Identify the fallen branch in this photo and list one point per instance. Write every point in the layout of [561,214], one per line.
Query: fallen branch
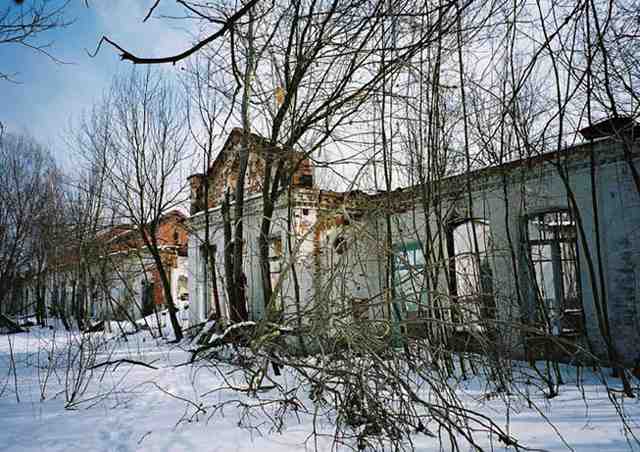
[11,325]
[117,362]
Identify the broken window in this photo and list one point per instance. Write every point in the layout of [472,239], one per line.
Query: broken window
[409,279]
[471,276]
[554,262]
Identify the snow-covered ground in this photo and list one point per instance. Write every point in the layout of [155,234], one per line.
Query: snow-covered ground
[130,407]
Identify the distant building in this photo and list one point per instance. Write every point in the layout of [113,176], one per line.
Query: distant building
[131,276]
[113,278]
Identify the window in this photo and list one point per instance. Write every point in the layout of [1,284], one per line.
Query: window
[554,262]
[409,279]
[208,254]
[93,301]
[183,288]
[340,245]
[147,290]
[275,261]
[275,248]
[471,275]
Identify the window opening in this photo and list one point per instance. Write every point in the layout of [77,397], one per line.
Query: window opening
[147,289]
[409,280]
[340,245]
[276,253]
[472,276]
[208,278]
[554,261]
[360,308]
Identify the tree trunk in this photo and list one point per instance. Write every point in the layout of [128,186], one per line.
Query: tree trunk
[152,246]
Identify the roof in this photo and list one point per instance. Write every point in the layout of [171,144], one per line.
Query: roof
[605,131]
[616,126]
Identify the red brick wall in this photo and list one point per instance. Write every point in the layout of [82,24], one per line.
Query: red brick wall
[224,171]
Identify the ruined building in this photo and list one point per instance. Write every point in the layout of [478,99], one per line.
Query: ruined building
[112,277]
[539,254]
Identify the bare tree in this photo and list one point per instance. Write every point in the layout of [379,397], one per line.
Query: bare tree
[439,92]
[205,110]
[216,15]
[141,151]
[27,178]
[24,24]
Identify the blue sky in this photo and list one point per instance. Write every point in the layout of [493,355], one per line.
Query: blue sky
[50,96]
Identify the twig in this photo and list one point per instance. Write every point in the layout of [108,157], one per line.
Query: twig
[117,362]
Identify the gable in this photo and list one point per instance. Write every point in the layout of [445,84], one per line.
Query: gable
[225,170]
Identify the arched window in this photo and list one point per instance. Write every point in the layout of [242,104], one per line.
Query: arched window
[553,253]
[471,275]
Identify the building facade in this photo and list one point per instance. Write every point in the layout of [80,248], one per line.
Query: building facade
[539,253]
[113,278]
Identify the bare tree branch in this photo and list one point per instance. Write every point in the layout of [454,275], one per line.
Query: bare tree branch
[125,55]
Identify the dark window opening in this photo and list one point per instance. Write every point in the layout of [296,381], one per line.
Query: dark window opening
[306,180]
[340,245]
[554,264]
[147,290]
[360,309]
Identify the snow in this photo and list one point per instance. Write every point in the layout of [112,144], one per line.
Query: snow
[235,326]
[130,407]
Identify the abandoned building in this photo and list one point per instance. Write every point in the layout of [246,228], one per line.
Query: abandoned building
[133,279]
[112,278]
[542,249]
